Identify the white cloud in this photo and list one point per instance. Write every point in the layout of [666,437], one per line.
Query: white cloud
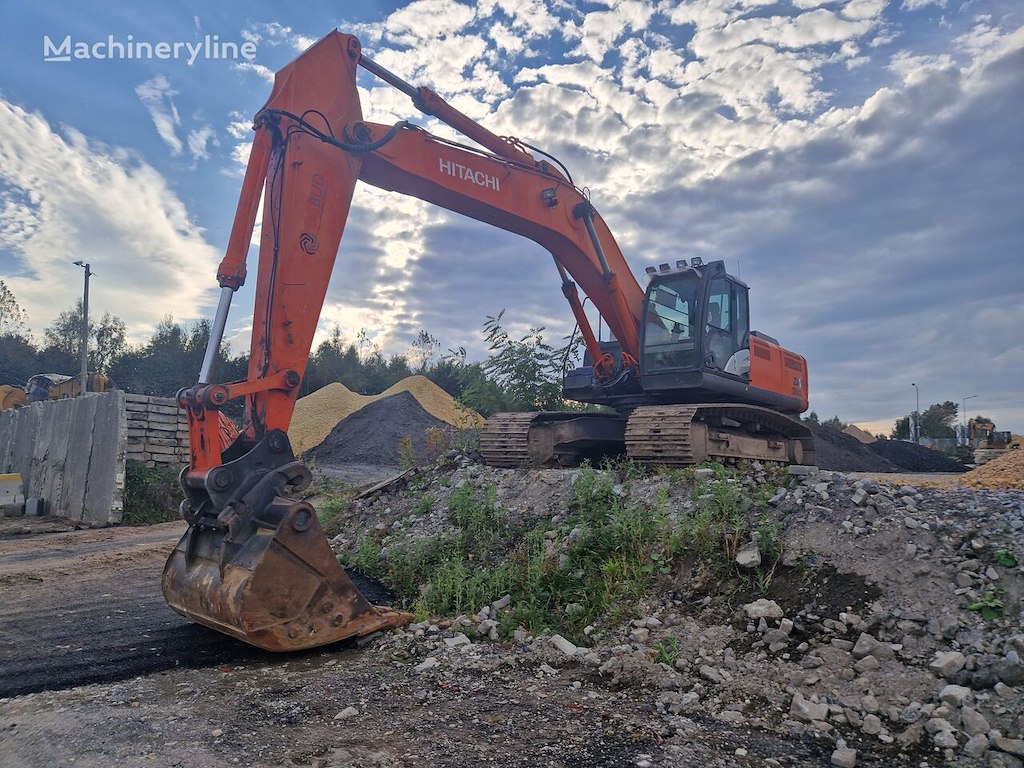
[258,69]
[916,5]
[65,197]
[157,96]
[200,140]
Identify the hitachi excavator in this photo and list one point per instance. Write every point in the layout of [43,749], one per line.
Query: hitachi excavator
[685,375]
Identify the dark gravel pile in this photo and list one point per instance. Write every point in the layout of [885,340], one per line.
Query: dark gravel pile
[911,457]
[374,434]
[838,452]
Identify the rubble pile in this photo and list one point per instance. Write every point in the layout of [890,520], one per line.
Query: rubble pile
[888,632]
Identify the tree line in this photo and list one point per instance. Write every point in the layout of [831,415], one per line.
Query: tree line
[520,373]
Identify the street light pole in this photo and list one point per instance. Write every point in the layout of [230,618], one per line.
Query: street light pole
[964,401]
[917,414]
[84,342]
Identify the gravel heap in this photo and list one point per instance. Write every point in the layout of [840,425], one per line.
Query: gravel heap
[316,414]
[1005,472]
[838,451]
[374,434]
[862,651]
[915,458]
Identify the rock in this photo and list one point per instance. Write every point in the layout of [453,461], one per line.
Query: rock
[807,711]
[976,746]
[346,713]
[640,635]
[749,556]
[563,645]
[867,645]
[457,641]
[1010,746]
[710,674]
[427,664]
[763,609]
[703,474]
[973,722]
[954,695]
[949,663]
[945,739]
[867,664]
[844,757]
[872,725]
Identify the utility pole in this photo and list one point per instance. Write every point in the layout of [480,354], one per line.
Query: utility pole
[84,343]
[964,401]
[917,414]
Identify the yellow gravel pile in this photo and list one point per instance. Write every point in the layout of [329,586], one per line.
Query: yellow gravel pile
[1006,472]
[318,413]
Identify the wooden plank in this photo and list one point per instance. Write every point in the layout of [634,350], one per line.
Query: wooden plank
[161,418]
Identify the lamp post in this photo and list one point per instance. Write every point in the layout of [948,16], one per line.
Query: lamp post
[84,342]
[917,414]
[964,401]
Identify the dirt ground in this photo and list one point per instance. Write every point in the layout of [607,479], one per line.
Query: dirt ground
[96,671]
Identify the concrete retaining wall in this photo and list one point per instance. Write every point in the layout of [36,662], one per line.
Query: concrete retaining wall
[71,453]
[157,431]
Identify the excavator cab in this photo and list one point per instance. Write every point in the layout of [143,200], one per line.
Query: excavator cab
[696,318]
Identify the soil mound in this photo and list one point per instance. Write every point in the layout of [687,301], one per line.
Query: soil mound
[839,452]
[1006,472]
[375,433]
[316,414]
[436,402]
[911,457]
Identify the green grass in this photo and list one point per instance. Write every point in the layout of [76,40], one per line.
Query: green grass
[151,494]
[592,567]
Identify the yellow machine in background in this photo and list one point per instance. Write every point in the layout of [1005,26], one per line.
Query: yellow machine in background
[51,386]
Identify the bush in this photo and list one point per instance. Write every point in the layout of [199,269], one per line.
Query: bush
[151,494]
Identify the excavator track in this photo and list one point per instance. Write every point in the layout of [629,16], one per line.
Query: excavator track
[549,438]
[680,435]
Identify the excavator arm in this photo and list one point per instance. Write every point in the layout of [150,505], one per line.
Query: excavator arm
[253,563]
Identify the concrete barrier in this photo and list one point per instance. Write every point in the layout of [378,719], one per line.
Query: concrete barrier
[70,453]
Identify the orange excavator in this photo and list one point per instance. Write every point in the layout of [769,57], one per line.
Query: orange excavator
[685,375]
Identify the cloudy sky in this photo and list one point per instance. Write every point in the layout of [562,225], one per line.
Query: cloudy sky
[858,162]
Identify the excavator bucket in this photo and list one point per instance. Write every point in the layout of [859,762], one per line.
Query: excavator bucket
[261,570]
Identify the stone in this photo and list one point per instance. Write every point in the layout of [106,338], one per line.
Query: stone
[749,556]
[945,739]
[844,757]
[563,645]
[954,695]
[872,725]
[457,641]
[346,713]
[640,635]
[703,474]
[807,711]
[867,645]
[867,664]
[976,746]
[973,722]
[427,664]
[1010,746]
[949,663]
[763,609]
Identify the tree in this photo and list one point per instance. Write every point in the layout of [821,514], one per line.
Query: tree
[424,350]
[107,338]
[939,420]
[835,423]
[527,370]
[812,418]
[12,317]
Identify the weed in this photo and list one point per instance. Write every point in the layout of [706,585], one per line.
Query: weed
[668,650]
[1006,558]
[717,526]
[425,504]
[151,494]
[768,536]
[406,453]
[989,606]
